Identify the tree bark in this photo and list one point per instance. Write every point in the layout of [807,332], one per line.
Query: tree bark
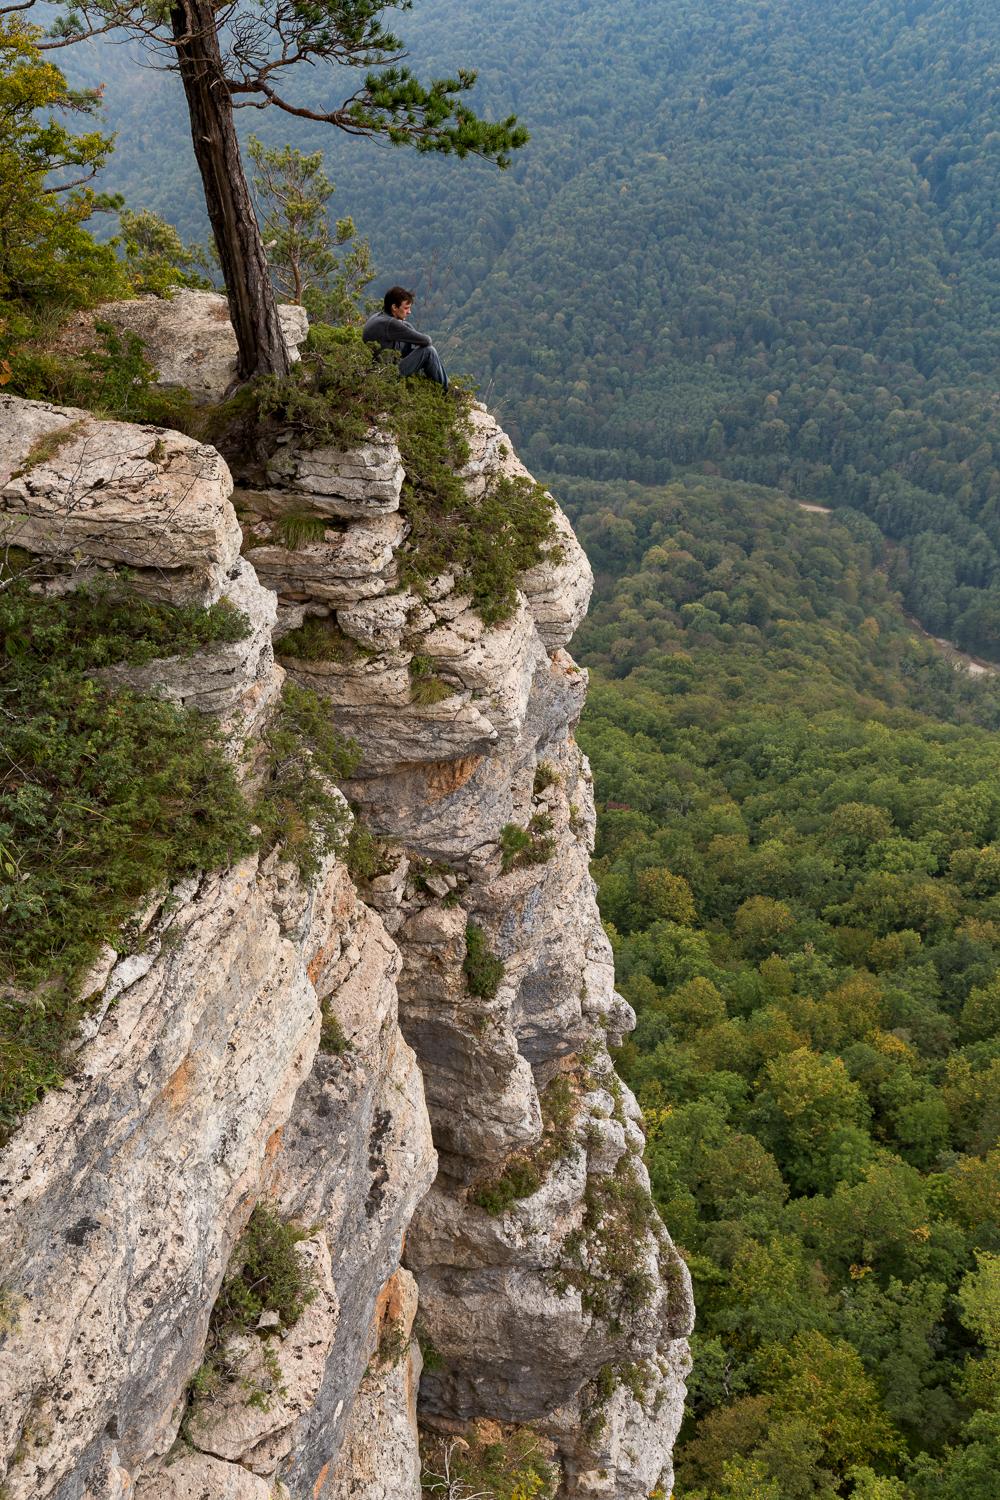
[252,305]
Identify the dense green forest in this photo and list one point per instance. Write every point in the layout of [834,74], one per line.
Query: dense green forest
[753,244]
[760,236]
[799,861]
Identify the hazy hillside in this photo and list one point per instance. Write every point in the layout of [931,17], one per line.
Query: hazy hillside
[761,236]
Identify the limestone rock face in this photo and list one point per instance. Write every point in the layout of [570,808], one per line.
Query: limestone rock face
[358,484]
[198,1086]
[518,1294]
[79,491]
[274,1041]
[189,340]
[124,1190]
[379,1458]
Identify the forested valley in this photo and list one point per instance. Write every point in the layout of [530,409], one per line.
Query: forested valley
[760,235]
[752,257]
[799,859]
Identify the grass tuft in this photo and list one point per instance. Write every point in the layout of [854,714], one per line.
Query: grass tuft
[483,970]
[298,529]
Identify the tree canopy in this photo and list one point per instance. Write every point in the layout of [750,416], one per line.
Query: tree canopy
[797,862]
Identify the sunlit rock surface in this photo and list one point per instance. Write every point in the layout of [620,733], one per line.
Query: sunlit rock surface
[200,1088]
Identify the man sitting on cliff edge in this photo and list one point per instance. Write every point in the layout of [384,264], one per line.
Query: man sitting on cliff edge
[390,329]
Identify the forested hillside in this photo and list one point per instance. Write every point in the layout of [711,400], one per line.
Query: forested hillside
[755,243]
[799,852]
[760,235]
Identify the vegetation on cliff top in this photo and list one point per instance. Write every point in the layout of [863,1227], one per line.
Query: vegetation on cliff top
[334,398]
[108,798]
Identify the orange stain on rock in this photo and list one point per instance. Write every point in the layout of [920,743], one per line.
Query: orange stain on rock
[446,776]
[178,1085]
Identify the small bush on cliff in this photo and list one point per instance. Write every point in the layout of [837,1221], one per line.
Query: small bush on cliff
[105,797]
[605,1260]
[546,775]
[266,1275]
[525,1173]
[502,1464]
[320,640]
[367,855]
[527,846]
[299,806]
[483,970]
[298,529]
[113,378]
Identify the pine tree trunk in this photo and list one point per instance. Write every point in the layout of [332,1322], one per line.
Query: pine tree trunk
[252,305]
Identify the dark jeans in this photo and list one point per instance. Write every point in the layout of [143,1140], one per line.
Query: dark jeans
[424,360]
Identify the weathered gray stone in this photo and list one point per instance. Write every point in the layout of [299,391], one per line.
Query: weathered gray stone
[345,567]
[78,491]
[189,339]
[379,1459]
[200,1090]
[123,1191]
[197,1476]
[359,482]
[357,1156]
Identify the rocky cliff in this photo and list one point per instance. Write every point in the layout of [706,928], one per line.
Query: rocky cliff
[465,980]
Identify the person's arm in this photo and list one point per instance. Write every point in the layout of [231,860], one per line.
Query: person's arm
[405,333]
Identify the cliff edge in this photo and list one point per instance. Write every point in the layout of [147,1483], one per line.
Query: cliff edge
[404,1054]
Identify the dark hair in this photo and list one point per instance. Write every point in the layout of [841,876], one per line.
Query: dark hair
[394,296]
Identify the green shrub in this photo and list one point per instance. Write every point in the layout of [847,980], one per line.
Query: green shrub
[514,1467]
[111,379]
[106,623]
[525,1173]
[367,857]
[605,1259]
[331,1037]
[333,395]
[297,806]
[514,842]
[265,1275]
[105,798]
[393,1345]
[483,970]
[320,639]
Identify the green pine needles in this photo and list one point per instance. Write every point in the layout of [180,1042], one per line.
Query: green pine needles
[105,797]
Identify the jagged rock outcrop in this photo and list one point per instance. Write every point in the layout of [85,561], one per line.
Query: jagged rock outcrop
[198,1088]
[521,1305]
[548,1289]
[189,340]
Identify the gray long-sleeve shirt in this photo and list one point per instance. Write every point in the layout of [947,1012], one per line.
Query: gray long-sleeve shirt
[393,333]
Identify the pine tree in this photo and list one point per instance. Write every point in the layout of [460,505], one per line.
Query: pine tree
[233,54]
